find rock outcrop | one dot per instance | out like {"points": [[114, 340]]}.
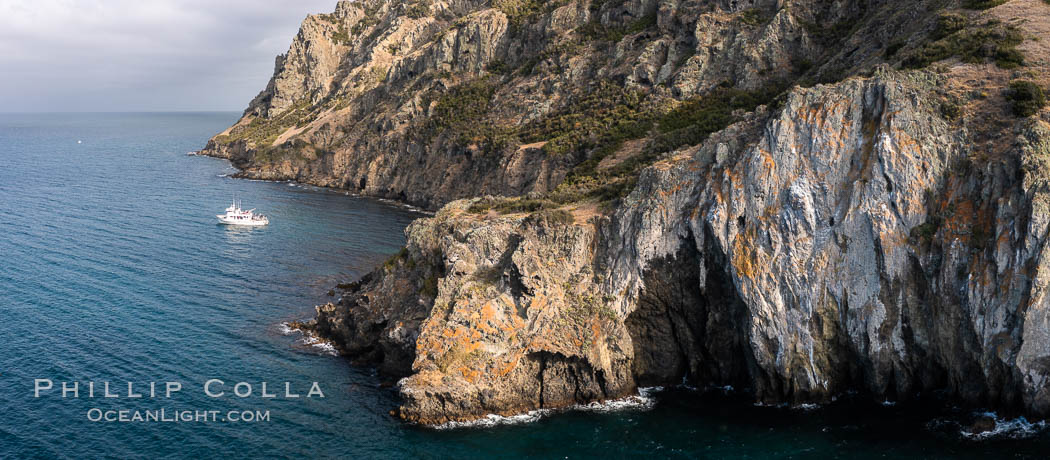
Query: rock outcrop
{"points": [[882, 232], [357, 101], [794, 254]]}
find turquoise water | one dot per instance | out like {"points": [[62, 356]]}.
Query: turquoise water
{"points": [[112, 269]]}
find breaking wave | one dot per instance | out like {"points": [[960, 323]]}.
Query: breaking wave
{"points": [[644, 400], [1001, 428], [1015, 428], [308, 340]]}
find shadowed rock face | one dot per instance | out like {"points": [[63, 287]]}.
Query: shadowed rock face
{"points": [[688, 325], [823, 224], [789, 255], [852, 236]]}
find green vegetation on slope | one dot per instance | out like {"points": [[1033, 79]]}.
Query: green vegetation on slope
{"points": [[1026, 98], [462, 112], [626, 116], [417, 9], [982, 4], [521, 12], [263, 132], [955, 36], [594, 30], [603, 117]]}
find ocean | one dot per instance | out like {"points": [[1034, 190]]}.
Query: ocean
{"points": [[113, 270]]}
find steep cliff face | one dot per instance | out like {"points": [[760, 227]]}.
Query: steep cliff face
{"points": [[681, 200], [429, 101], [794, 254], [866, 250]]}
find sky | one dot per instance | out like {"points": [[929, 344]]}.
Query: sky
{"points": [[142, 55]]}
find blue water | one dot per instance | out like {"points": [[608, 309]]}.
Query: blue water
{"points": [[112, 268]]}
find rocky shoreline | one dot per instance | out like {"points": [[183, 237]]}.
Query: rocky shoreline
{"points": [[884, 232]]}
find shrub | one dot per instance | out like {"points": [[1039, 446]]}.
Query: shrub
{"points": [[341, 35], [262, 132], [752, 17], [371, 18], [462, 113], [429, 288], [982, 4], [418, 9], [598, 122], [520, 12], [949, 23], [950, 110], [517, 10], [595, 30], [893, 48], [392, 262], [927, 230], [602, 119], [497, 67], [1026, 97], [692, 121], [552, 217], [990, 41], [829, 35], [689, 123], [510, 205]]}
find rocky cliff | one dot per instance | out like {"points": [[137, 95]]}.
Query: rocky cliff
{"points": [[795, 198], [429, 101]]}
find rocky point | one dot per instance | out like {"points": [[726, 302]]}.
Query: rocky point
{"points": [[795, 198]]}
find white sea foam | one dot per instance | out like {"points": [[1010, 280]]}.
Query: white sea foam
{"points": [[492, 420], [403, 205], [644, 400], [322, 346], [309, 340], [1017, 428]]}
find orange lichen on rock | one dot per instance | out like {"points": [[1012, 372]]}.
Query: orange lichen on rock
{"points": [[470, 375], [745, 258]]}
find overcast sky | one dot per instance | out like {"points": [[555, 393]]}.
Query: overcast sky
{"points": [[142, 55]]}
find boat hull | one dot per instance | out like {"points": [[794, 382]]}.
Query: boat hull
{"points": [[244, 222]]}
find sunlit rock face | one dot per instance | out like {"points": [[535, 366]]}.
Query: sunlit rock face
{"points": [[351, 104], [881, 233], [792, 254]]}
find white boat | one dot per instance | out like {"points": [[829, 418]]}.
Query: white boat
{"points": [[236, 216]]}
